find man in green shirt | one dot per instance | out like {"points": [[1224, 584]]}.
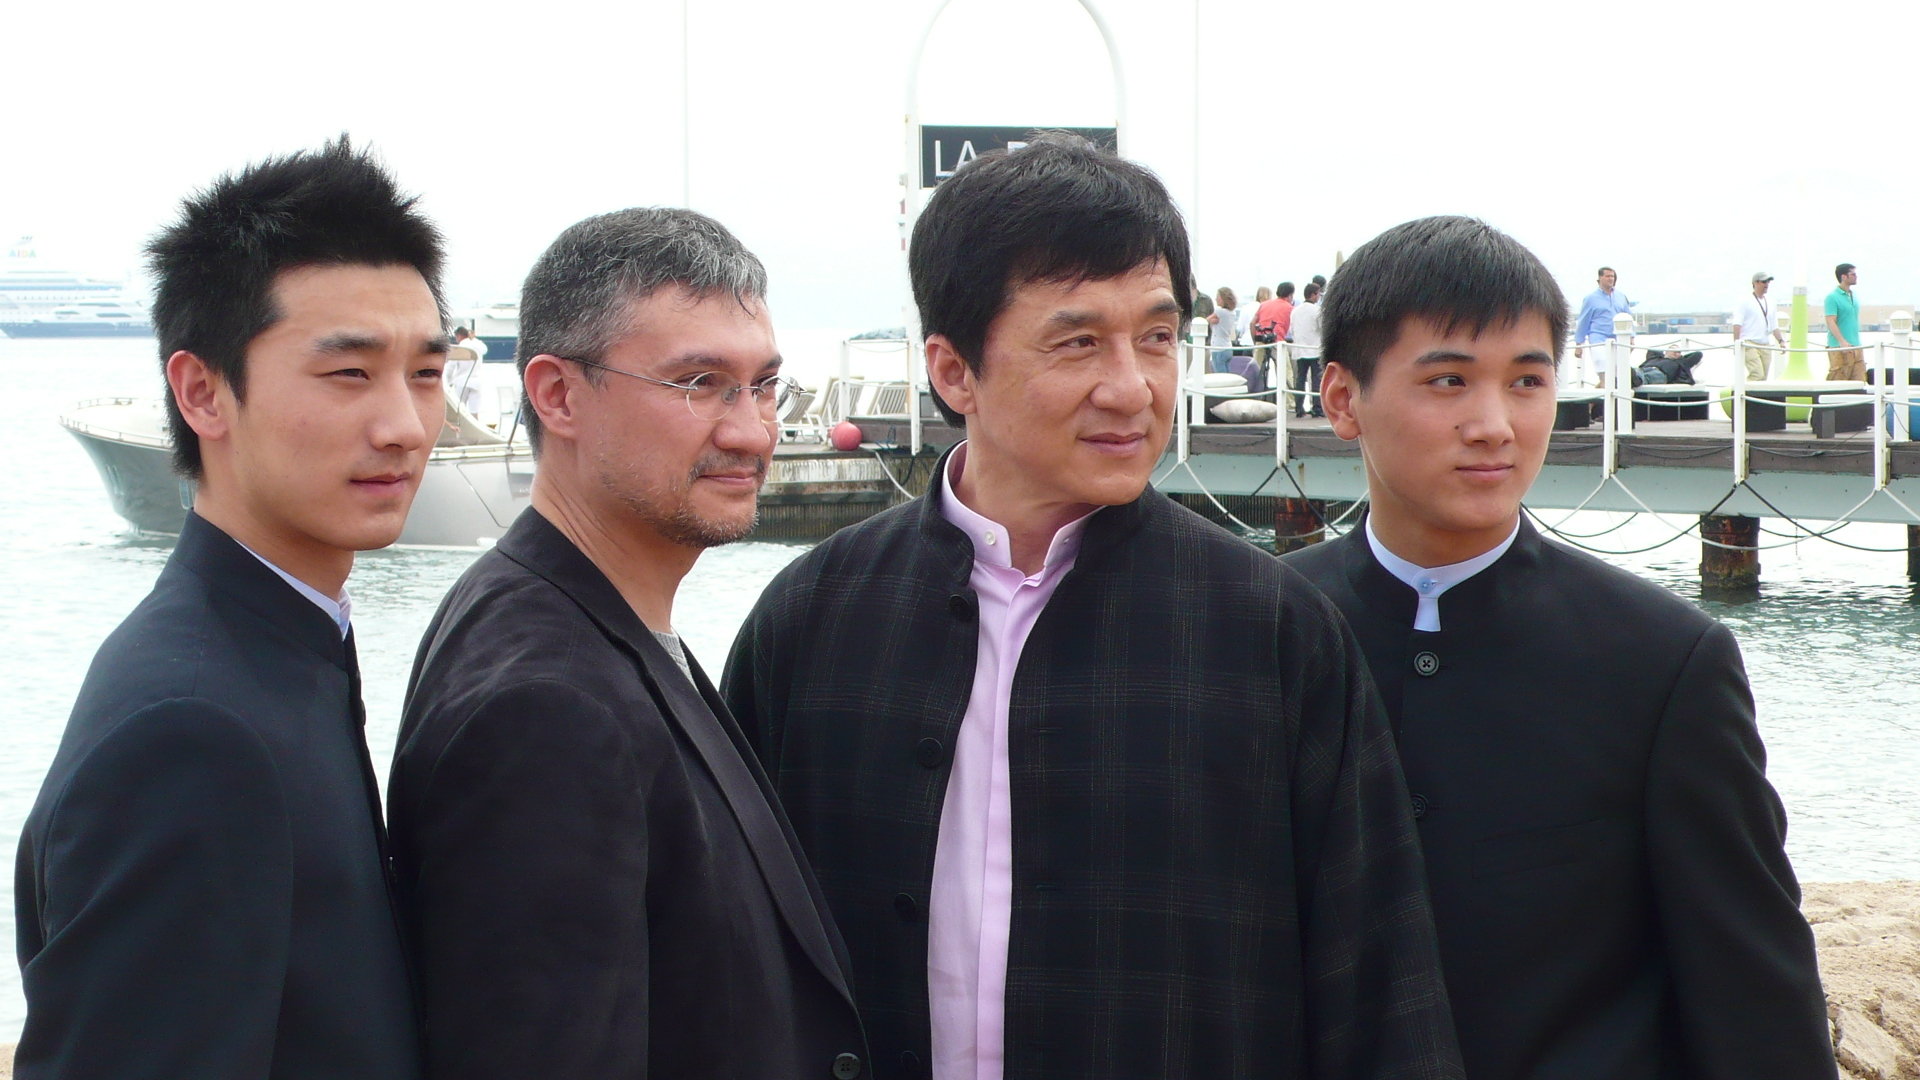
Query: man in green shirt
{"points": [[1844, 358]]}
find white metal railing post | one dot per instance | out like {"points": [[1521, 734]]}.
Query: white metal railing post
{"points": [[1879, 389], [1609, 417], [1737, 408], [1899, 376], [1282, 369], [1622, 368], [1181, 415], [1197, 373], [914, 371]]}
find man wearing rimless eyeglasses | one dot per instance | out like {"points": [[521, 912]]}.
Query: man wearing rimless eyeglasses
{"points": [[597, 881]]}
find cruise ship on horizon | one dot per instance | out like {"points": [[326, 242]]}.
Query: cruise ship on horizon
{"points": [[36, 301]]}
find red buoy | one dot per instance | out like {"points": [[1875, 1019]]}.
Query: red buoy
{"points": [[845, 435]]}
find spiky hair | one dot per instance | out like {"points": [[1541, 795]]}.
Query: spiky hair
{"points": [[215, 268]]}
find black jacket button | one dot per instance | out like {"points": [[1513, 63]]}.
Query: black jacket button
{"points": [[1419, 806], [847, 1067], [961, 605], [909, 1063], [906, 906], [1426, 663], [929, 753]]}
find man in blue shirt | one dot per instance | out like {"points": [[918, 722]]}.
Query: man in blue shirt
{"points": [[1844, 358], [1595, 324]]}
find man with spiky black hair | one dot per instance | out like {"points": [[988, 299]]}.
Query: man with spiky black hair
{"points": [[202, 886], [1603, 848]]}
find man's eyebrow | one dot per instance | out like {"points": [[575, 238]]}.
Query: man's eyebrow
{"points": [[1450, 356], [1071, 319], [349, 341], [693, 361]]}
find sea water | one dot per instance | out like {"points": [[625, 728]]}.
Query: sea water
{"points": [[1830, 640]]}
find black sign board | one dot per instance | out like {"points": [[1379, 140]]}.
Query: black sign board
{"points": [[944, 148]]}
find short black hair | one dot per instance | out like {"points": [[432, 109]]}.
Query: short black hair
{"points": [[1605, 270], [215, 268], [1456, 272], [1841, 270], [578, 299], [1284, 290], [1320, 281], [1311, 292], [1056, 210]]}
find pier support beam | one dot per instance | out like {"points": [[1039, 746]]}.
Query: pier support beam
{"points": [[1297, 524], [1729, 555], [1913, 554]]}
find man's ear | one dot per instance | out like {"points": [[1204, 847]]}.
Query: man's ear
{"points": [[196, 389], [550, 393], [1338, 391], [949, 375]]}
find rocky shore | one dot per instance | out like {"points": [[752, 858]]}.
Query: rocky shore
{"points": [[1869, 938]]}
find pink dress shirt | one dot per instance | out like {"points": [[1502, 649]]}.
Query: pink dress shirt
{"points": [[971, 902]]}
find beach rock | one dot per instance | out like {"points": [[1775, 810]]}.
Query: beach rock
{"points": [[1869, 939]]}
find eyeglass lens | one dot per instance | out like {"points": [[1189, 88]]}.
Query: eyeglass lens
{"points": [[712, 396]]}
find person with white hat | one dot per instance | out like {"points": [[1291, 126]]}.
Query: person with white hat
{"points": [[1753, 323]]}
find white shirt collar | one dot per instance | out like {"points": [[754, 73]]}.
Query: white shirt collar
{"points": [[1431, 582], [990, 543], [340, 611]]}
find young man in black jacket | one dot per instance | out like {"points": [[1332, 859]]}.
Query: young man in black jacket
{"points": [[1602, 844], [202, 885]]}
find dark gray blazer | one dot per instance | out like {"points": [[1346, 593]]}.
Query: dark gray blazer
{"points": [[1602, 843], [201, 890], [598, 878], [1214, 867]]}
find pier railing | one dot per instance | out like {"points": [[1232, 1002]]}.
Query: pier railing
{"points": [[1890, 395]]}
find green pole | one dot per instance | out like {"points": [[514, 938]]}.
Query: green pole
{"points": [[1798, 366]]}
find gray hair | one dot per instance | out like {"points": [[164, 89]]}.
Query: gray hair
{"points": [[579, 298]]}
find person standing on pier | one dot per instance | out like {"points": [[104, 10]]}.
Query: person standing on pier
{"points": [[202, 885], [1604, 850], [1097, 790], [593, 871], [1845, 358], [1304, 336], [1753, 326], [1594, 327], [1223, 328], [1272, 322]]}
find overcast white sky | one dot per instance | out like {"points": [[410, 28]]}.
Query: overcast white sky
{"points": [[1686, 143]]}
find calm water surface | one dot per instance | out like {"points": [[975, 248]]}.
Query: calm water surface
{"points": [[1830, 641]]}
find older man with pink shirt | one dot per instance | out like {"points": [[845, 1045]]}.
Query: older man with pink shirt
{"points": [[1095, 790]]}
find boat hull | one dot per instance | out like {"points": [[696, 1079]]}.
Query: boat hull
{"points": [[463, 501], [470, 494]]}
